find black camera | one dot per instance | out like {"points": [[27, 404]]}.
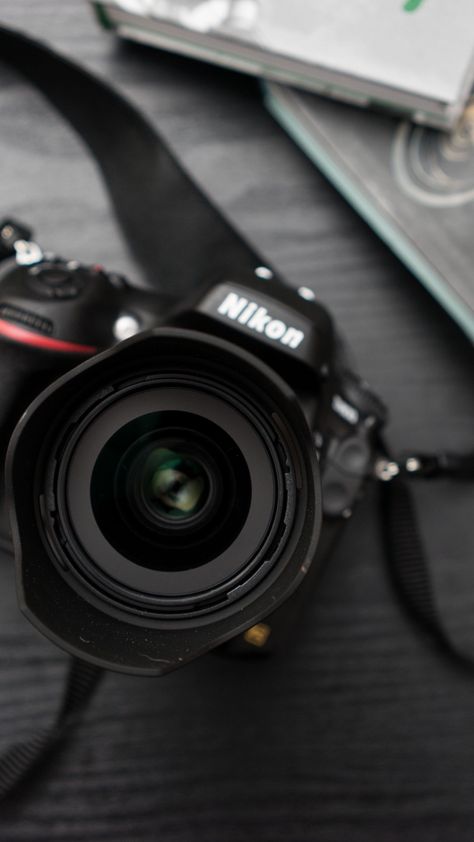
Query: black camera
{"points": [[170, 492]]}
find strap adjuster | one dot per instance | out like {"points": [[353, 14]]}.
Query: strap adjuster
{"points": [[426, 466]]}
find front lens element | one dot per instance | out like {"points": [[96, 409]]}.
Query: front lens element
{"points": [[167, 481], [170, 490], [178, 485]]}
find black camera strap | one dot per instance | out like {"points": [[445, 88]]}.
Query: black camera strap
{"points": [[179, 244], [179, 239], [19, 760], [408, 565]]}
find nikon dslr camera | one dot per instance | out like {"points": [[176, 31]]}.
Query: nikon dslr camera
{"points": [[174, 471]]}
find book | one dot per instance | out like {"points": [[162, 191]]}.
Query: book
{"points": [[414, 185], [413, 56]]}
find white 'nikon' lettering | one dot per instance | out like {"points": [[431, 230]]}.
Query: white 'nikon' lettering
{"points": [[238, 308]]}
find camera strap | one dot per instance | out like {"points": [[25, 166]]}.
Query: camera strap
{"points": [[408, 565], [181, 240], [21, 758]]}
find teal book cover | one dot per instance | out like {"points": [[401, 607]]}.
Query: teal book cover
{"points": [[412, 184]]}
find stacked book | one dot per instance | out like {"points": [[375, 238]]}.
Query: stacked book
{"points": [[405, 159]]}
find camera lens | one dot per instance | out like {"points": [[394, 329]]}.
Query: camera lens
{"points": [[175, 501], [174, 484], [170, 490], [167, 480]]}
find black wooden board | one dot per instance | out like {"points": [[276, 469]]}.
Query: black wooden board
{"points": [[361, 730]]}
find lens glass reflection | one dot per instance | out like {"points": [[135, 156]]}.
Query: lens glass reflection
{"points": [[170, 490], [178, 484]]}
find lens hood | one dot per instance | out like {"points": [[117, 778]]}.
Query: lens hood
{"points": [[99, 571]]}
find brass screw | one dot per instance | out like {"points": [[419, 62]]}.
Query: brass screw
{"points": [[258, 635]]}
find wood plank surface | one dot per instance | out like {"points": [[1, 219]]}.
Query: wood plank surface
{"points": [[362, 731]]}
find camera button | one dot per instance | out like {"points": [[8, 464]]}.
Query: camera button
{"points": [[336, 496], [54, 281], [353, 455], [51, 275]]}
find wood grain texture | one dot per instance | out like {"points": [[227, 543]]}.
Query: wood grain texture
{"points": [[361, 731]]}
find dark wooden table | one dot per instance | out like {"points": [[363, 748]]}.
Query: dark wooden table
{"points": [[362, 731]]}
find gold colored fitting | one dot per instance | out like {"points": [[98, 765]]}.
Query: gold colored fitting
{"points": [[258, 635]]}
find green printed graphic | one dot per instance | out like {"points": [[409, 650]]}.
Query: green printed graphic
{"points": [[412, 5]]}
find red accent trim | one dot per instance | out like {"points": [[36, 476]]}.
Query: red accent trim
{"points": [[37, 340]]}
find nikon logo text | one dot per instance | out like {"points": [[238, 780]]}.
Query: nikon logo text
{"points": [[257, 318]]}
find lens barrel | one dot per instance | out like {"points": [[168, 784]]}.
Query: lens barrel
{"points": [[176, 494], [122, 546]]}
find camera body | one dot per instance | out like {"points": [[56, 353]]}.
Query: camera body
{"points": [[175, 462]]}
